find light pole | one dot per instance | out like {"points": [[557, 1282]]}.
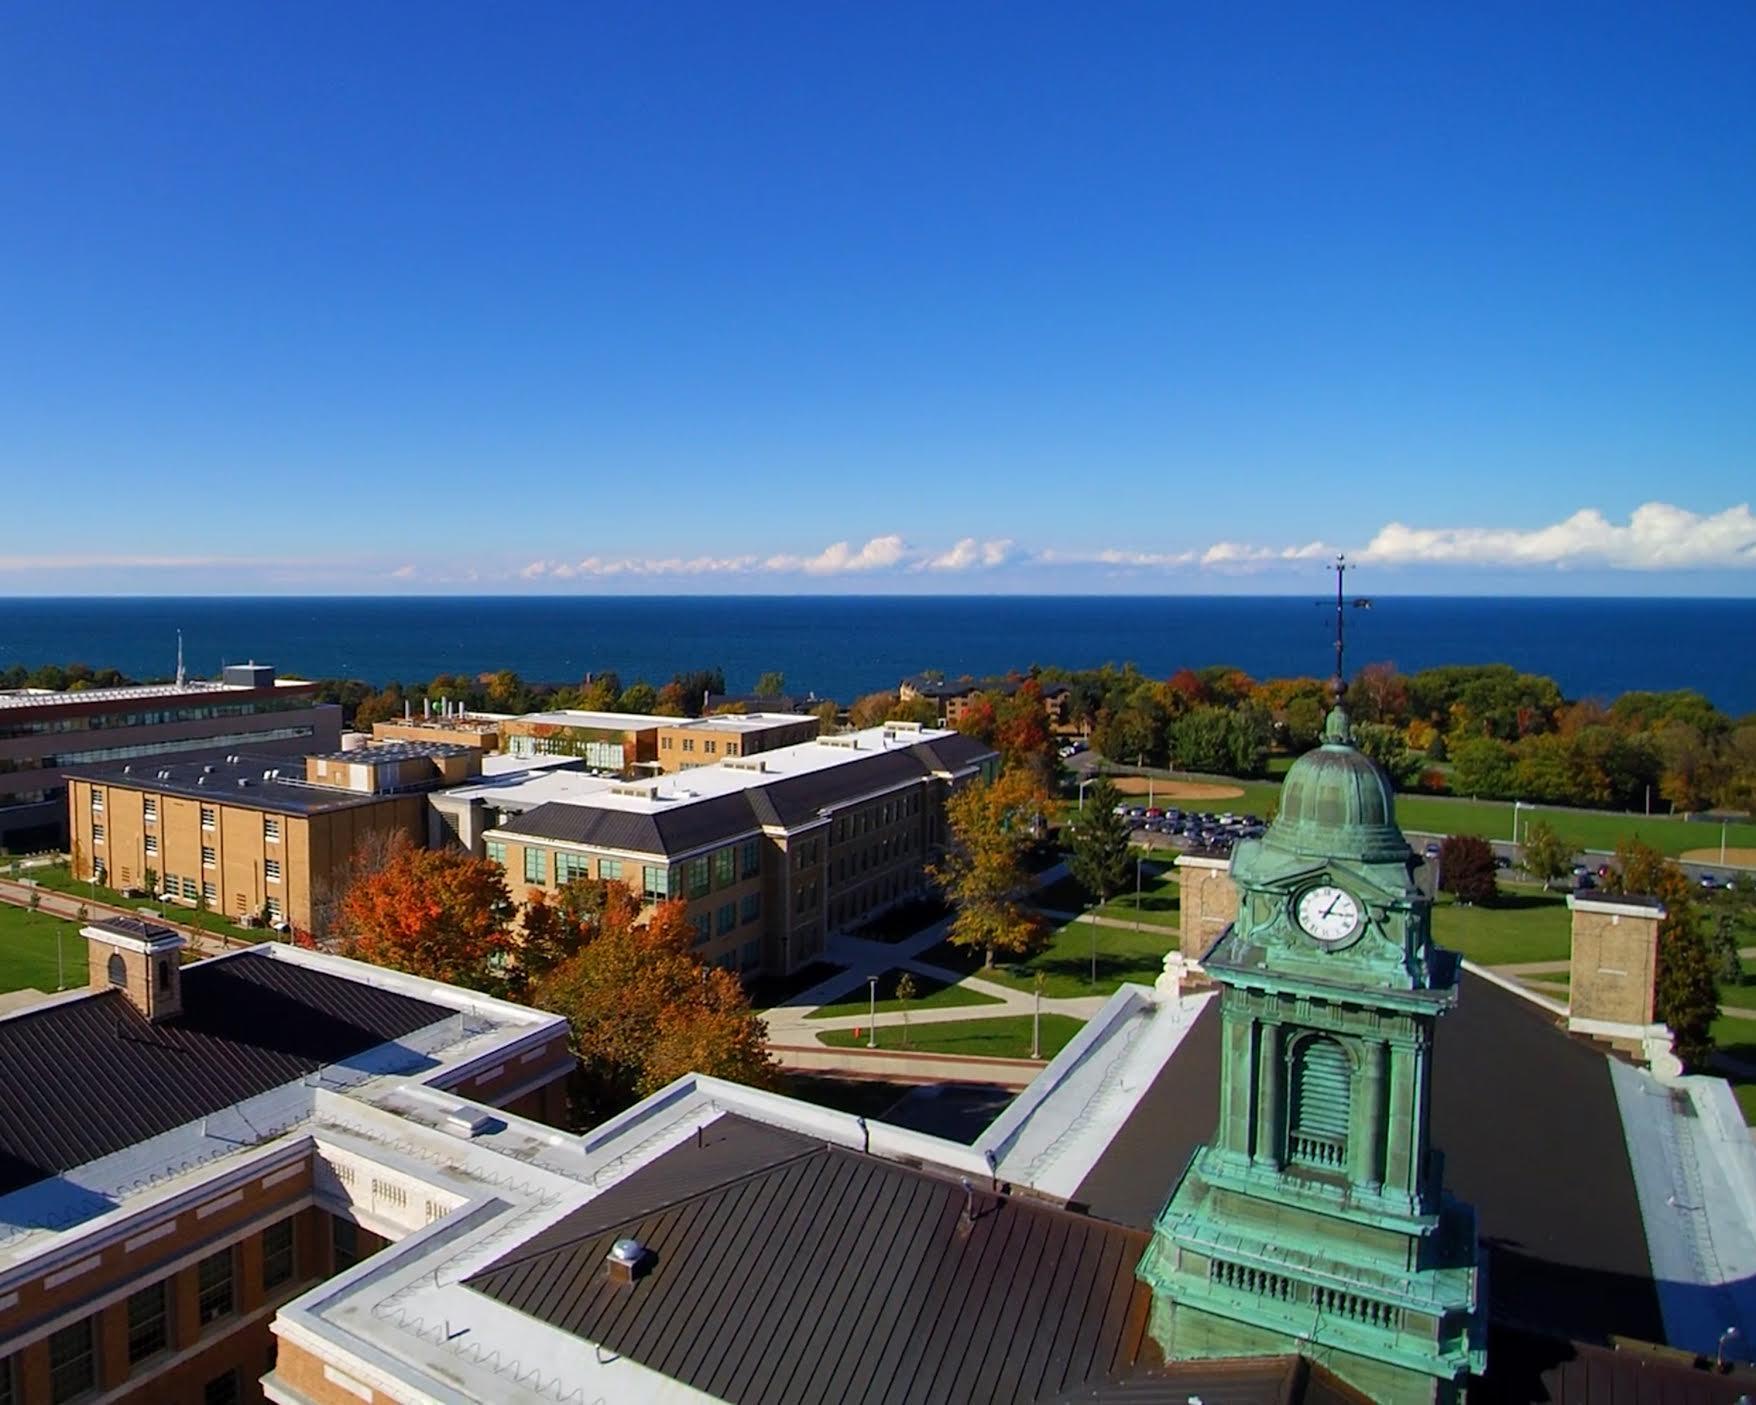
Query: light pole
{"points": [[1517, 805], [872, 987], [1036, 1017], [1082, 785]]}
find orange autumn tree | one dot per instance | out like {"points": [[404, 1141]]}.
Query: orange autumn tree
{"points": [[437, 913], [644, 1011]]}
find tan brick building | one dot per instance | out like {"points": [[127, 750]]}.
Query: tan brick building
{"points": [[771, 853], [706, 741], [251, 836], [616, 743]]}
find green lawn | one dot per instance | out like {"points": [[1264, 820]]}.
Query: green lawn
{"points": [[1122, 955], [27, 950], [1521, 925], [1004, 1037], [933, 995], [1492, 819], [1160, 900]]}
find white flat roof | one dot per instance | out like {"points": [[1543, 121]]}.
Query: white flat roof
{"points": [[744, 721], [526, 789], [609, 721], [652, 795]]}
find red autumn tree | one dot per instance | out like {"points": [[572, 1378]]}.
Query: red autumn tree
{"points": [[644, 1010], [1186, 690], [1022, 734], [1466, 869], [437, 913], [979, 719]]}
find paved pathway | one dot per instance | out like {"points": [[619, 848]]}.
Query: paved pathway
{"points": [[65, 905], [1127, 924]]}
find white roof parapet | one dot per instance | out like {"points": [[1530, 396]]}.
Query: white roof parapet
{"points": [[1615, 905]]}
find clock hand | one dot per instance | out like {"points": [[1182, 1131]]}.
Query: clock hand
{"points": [[1332, 902]]}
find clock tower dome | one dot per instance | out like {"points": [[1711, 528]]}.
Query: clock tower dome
{"points": [[1315, 1220]]}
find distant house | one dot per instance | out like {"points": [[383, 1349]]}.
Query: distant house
{"points": [[954, 697]]}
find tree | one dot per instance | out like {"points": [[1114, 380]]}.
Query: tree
{"points": [[771, 684], [828, 716], [672, 701], [906, 990], [602, 692], [1387, 746], [1466, 869], [992, 826], [644, 1011], [1686, 997], [639, 696], [1099, 861], [1482, 767], [436, 913], [872, 709], [921, 710], [150, 878], [1545, 855]]}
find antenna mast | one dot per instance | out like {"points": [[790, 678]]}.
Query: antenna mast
{"points": [[179, 658], [1340, 681]]}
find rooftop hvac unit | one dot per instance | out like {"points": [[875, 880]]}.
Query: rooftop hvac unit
{"points": [[243, 781]]}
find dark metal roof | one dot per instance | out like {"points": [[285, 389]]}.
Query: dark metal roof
{"points": [[786, 801], [782, 1270], [89, 1077], [1524, 1366], [284, 791], [1526, 1117]]}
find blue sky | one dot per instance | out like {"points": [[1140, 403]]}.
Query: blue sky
{"points": [[886, 297]]}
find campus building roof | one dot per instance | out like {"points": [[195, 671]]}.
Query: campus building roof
{"points": [[787, 788]]}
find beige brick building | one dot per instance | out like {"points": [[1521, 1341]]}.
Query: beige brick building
{"points": [[250, 836], [706, 741]]}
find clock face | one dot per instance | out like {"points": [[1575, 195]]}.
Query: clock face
{"points": [[1328, 915]]}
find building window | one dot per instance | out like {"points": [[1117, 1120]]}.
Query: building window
{"points": [[117, 969], [688, 744], [150, 807], [222, 1390], [190, 890], [750, 858], [571, 866], [277, 1255], [275, 913], [271, 830], [152, 843], [210, 891], [213, 1287], [97, 834], [751, 908], [610, 870], [728, 917], [148, 1323], [703, 928], [271, 870], [97, 802], [536, 865], [1321, 1102], [655, 882], [700, 880], [496, 851], [72, 1362], [208, 857], [207, 817], [725, 867], [344, 1243], [752, 955], [710, 746]]}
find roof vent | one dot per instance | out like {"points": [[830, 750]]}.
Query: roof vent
{"points": [[201, 780], [243, 781], [627, 1261], [207, 770], [164, 775]]}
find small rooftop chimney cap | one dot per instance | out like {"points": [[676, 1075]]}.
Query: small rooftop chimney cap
{"points": [[626, 1261]]}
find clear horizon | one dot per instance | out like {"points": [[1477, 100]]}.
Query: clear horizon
{"points": [[911, 300]]}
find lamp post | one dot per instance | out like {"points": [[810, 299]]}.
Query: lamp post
{"points": [[1036, 1016], [872, 988], [1082, 785], [1137, 861], [1517, 805]]}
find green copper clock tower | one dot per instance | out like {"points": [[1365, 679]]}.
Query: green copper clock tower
{"points": [[1315, 1220]]}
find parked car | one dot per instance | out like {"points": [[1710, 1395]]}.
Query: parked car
{"points": [[1709, 881], [1502, 862], [1431, 851]]}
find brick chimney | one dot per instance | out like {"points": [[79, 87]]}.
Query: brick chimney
{"points": [[140, 958], [1613, 973]]}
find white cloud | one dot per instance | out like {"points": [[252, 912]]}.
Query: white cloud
{"points": [[839, 558], [85, 561], [968, 554], [1658, 536], [403, 573]]}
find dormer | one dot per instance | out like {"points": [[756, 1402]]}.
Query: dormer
{"points": [[139, 958]]}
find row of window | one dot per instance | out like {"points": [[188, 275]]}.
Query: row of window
{"points": [[851, 826], [729, 917], [154, 717], [93, 755], [709, 746], [74, 1349], [599, 755]]}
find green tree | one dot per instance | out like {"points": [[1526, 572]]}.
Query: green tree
{"points": [[771, 684], [1099, 859], [1686, 998], [1482, 767], [992, 826], [872, 709], [1545, 855], [921, 710], [1385, 745], [828, 716], [639, 696]]}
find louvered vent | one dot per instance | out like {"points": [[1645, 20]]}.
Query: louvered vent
{"points": [[1322, 1078]]}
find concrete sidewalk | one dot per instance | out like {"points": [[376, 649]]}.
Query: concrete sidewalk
{"points": [[64, 905]]}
